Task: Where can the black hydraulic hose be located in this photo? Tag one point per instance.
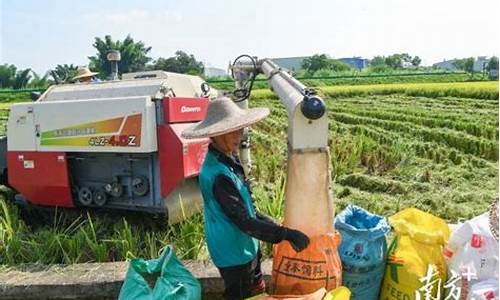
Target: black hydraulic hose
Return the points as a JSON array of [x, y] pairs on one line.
[[247, 90]]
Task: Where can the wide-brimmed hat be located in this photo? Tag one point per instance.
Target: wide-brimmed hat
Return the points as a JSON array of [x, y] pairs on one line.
[[224, 116], [84, 72]]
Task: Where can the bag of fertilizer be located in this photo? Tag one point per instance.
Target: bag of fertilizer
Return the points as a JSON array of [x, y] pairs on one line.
[[472, 255], [300, 273], [415, 263], [363, 251]]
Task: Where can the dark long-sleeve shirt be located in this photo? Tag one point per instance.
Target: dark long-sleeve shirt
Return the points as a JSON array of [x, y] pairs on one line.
[[228, 197]]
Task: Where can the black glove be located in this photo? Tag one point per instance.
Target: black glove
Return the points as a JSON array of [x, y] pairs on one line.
[[297, 239]]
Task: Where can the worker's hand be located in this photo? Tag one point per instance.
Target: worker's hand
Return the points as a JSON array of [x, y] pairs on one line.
[[297, 239]]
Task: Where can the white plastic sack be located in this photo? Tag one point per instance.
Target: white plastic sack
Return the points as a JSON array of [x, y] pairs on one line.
[[484, 290], [472, 255]]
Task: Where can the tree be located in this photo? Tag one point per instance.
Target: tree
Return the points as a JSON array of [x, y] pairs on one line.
[[377, 61], [39, 81], [133, 55], [469, 65], [492, 64], [416, 61], [64, 73], [406, 59], [465, 64], [11, 77], [323, 62], [395, 61], [180, 63], [315, 63], [338, 66], [21, 79], [7, 75]]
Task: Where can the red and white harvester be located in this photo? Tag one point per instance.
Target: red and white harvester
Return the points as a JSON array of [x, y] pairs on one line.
[[114, 144]]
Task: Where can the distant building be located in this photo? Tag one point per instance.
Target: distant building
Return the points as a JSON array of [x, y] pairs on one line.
[[355, 62], [295, 63], [212, 72], [290, 63], [446, 65], [493, 74], [480, 63]]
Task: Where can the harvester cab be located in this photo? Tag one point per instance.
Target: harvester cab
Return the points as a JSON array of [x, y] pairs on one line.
[[113, 144]]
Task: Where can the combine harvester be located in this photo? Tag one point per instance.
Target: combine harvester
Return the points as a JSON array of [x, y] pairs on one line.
[[114, 144]]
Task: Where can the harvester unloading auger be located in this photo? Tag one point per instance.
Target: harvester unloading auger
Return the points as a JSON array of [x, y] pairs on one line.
[[308, 200], [117, 144]]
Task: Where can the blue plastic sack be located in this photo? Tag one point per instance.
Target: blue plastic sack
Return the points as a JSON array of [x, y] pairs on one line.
[[362, 251], [172, 281]]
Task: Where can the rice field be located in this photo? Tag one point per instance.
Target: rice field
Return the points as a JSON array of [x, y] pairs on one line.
[[430, 146]]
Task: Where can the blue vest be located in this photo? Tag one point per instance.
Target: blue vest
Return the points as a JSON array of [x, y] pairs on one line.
[[227, 244]]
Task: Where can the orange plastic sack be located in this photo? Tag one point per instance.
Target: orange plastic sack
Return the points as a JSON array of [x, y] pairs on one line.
[[318, 266]]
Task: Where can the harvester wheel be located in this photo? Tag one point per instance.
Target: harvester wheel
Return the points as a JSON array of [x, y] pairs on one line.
[[115, 189], [140, 186], [85, 196], [100, 198]]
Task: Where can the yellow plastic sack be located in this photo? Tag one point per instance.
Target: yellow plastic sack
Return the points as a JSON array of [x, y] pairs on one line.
[[340, 293], [415, 262]]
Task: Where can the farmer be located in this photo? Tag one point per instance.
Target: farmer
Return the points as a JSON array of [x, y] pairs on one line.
[[85, 76], [232, 225]]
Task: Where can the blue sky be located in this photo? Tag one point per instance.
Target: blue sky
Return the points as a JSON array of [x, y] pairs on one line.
[[42, 34]]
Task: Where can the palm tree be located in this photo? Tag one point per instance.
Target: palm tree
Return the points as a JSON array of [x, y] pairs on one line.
[[64, 73], [38, 81], [7, 75], [21, 79], [133, 55]]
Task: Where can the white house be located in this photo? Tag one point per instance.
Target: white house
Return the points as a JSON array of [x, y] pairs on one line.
[[212, 72]]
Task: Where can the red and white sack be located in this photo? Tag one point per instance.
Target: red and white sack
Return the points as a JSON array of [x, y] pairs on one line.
[[472, 254], [484, 290]]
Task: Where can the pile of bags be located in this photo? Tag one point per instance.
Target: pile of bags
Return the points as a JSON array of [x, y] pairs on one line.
[[422, 261]]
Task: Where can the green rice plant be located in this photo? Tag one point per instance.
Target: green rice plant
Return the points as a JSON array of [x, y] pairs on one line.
[[469, 144], [373, 184]]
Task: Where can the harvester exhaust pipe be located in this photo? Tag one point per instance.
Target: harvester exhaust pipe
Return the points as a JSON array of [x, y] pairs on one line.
[[114, 57]]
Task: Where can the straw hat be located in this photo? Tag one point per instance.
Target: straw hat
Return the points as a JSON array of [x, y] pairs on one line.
[[224, 116], [84, 72]]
